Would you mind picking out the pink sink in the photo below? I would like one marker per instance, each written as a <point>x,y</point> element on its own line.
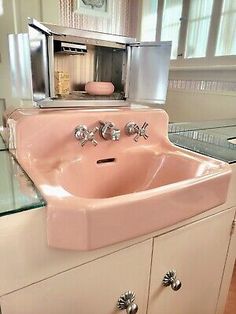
<point>133,171</point>
<point>115,191</point>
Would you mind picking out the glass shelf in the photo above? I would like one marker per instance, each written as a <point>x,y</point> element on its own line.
<point>208,140</point>
<point>17,191</point>
<point>191,126</point>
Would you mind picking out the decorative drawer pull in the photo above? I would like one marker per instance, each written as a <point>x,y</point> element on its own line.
<point>126,302</point>
<point>170,280</point>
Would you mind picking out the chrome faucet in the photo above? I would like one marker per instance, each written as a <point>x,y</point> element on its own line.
<point>132,128</point>
<point>84,135</point>
<point>108,131</point>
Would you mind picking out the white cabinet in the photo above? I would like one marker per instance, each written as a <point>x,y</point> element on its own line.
<point>198,253</point>
<point>90,288</point>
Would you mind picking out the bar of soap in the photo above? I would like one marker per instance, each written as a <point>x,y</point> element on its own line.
<point>99,88</point>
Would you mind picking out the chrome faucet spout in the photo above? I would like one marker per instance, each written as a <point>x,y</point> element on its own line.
<point>108,131</point>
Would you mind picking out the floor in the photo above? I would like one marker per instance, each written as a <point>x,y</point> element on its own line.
<point>231,302</point>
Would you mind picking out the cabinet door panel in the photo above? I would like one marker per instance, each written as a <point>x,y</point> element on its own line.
<point>197,252</point>
<point>90,288</point>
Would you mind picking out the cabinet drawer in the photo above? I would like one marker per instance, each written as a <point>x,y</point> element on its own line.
<point>90,288</point>
<point>197,252</point>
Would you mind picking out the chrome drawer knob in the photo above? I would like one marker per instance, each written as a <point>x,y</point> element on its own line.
<point>170,280</point>
<point>126,302</point>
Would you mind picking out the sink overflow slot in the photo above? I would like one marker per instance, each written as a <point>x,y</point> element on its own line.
<point>106,160</point>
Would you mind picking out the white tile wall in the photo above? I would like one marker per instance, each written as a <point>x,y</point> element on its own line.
<point>203,85</point>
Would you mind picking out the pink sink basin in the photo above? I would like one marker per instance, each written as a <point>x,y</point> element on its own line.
<point>115,191</point>
<point>133,171</point>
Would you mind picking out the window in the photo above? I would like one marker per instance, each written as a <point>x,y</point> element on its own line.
<point>171,24</point>
<point>198,28</point>
<point>202,31</point>
<point>226,41</point>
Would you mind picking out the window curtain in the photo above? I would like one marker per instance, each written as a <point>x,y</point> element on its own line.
<point>226,42</point>
<point>198,28</point>
<point>171,24</point>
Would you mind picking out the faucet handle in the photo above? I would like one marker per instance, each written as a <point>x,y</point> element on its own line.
<point>132,128</point>
<point>84,135</point>
<point>142,132</point>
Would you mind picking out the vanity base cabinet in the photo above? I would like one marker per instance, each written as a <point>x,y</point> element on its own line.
<point>91,288</point>
<point>228,272</point>
<point>197,253</point>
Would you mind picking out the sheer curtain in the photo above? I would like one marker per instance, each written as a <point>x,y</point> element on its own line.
<point>149,20</point>
<point>198,28</point>
<point>226,41</point>
<point>1,7</point>
<point>171,23</point>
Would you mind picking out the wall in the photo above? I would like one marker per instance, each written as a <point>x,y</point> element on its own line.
<point>216,99</point>
<point>7,25</point>
<point>80,68</point>
<point>181,105</point>
<point>14,20</point>
<point>123,18</point>
<point>194,104</point>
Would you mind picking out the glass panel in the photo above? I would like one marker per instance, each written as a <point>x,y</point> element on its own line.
<point>193,126</point>
<point>198,28</point>
<point>2,109</point>
<point>203,138</point>
<point>226,43</point>
<point>149,20</point>
<point>171,23</point>
<point>17,191</point>
<point>2,144</point>
<point>188,140</point>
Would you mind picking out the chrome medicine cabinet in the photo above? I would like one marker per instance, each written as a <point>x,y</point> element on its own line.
<point>138,70</point>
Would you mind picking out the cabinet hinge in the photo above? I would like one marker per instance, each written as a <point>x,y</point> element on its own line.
<point>233,226</point>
